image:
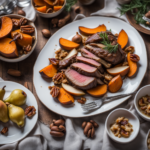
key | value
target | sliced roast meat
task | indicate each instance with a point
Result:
(90, 62)
(86, 70)
(94, 38)
(80, 81)
(67, 62)
(113, 58)
(87, 54)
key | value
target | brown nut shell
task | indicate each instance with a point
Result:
(84, 124)
(92, 132)
(59, 122)
(77, 38)
(52, 124)
(62, 128)
(57, 134)
(89, 133)
(46, 33)
(87, 128)
(55, 128)
(21, 12)
(94, 124)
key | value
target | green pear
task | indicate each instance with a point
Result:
(3, 112)
(16, 114)
(2, 93)
(17, 97)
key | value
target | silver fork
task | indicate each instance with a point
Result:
(98, 103)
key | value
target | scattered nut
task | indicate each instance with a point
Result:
(77, 38)
(84, 124)
(4, 130)
(28, 29)
(52, 124)
(54, 22)
(59, 122)
(82, 100)
(60, 54)
(94, 124)
(57, 134)
(21, 12)
(22, 21)
(129, 49)
(77, 9)
(134, 57)
(30, 111)
(27, 48)
(46, 33)
(14, 72)
(58, 78)
(55, 91)
(54, 61)
(62, 128)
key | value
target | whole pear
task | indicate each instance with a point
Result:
(17, 97)
(2, 92)
(16, 114)
(3, 112)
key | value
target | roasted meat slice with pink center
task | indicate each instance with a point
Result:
(86, 70)
(90, 62)
(81, 81)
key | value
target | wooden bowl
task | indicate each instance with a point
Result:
(49, 15)
(24, 56)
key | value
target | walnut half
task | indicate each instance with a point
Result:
(30, 111)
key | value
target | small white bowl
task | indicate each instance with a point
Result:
(145, 90)
(49, 15)
(147, 138)
(120, 112)
(24, 56)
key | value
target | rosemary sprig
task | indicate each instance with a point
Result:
(107, 43)
(140, 5)
(69, 4)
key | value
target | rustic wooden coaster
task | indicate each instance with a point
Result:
(132, 21)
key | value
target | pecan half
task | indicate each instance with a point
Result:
(16, 22)
(129, 49)
(134, 57)
(58, 78)
(28, 29)
(30, 111)
(27, 48)
(22, 21)
(82, 100)
(54, 61)
(55, 91)
(4, 130)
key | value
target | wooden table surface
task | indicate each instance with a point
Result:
(26, 66)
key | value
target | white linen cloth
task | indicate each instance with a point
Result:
(40, 139)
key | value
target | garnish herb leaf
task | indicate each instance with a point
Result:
(69, 4)
(107, 43)
(141, 7)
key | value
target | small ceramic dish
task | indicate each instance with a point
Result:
(49, 15)
(133, 120)
(145, 90)
(24, 56)
(146, 141)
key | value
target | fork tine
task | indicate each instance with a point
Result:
(89, 107)
(88, 104)
(92, 104)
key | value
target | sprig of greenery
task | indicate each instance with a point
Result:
(140, 5)
(107, 43)
(69, 4)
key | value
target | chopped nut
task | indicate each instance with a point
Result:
(27, 48)
(49, 10)
(28, 29)
(15, 22)
(55, 91)
(129, 49)
(30, 111)
(77, 9)
(4, 130)
(57, 78)
(82, 100)
(54, 61)
(134, 57)
(60, 54)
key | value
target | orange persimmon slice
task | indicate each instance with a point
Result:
(41, 9)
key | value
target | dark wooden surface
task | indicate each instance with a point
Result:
(26, 66)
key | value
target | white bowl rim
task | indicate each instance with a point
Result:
(123, 109)
(48, 13)
(21, 58)
(137, 109)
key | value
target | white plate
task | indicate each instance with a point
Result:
(129, 85)
(121, 112)
(14, 132)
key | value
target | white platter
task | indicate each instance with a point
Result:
(14, 132)
(68, 31)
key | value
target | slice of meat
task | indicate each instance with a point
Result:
(87, 54)
(113, 58)
(67, 62)
(86, 70)
(80, 81)
(90, 62)
(94, 38)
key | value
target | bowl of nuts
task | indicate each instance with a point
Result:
(122, 126)
(18, 38)
(142, 102)
(48, 8)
